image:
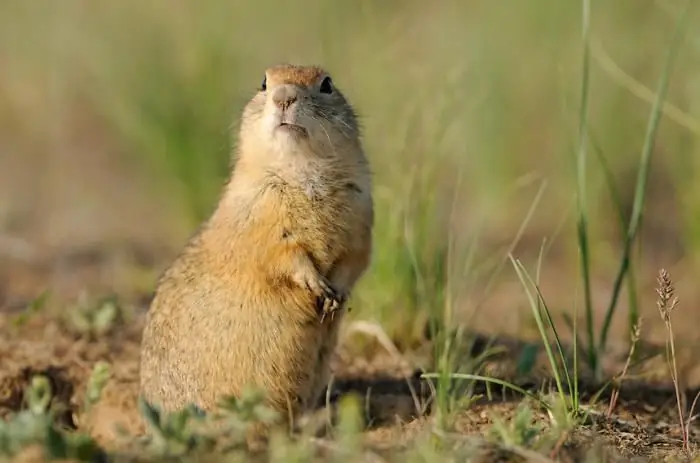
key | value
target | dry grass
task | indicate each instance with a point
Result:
(667, 302)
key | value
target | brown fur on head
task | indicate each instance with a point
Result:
(298, 109)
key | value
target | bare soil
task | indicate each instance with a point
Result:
(114, 245)
(398, 403)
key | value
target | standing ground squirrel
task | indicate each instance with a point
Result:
(257, 295)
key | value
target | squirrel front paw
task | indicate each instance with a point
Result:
(328, 299)
(330, 305)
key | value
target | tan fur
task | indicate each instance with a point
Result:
(239, 306)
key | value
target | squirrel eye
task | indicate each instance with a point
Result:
(326, 86)
(263, 85)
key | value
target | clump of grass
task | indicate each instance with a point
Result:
(457, 370)
(526, 432)
(242, 412)
(596, 345)
(566, 381)
(457, 373)
(414, 260)
(521, 431)
(173, 434)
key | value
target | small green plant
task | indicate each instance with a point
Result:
(174, 434)
(36, 425)
(521, 431)
(457, 373)
(35, 306)
(101, 373)
(191, 430)
(526, 432)
(94, 320)
(38, 395)
(248, 408)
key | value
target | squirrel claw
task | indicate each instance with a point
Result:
(328, 299)
(330, 304)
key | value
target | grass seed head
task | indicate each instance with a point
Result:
(667, 299)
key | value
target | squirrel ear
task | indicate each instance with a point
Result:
(326, 85)
(263, 85)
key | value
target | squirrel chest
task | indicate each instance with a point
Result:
(326, 216)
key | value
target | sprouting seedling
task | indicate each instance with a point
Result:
(38, 395)
(249, 407)
(95, 320)
(34, 307)
(105, 316)
(36, 425)
(30, 425)
(101, 373)
(521, 431)
(172, 432)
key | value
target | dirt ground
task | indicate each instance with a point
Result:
(103, 248)
(643, 427)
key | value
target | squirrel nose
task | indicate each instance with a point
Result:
(284, 96)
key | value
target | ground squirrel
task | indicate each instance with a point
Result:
(257, 295)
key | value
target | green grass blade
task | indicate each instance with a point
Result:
(486, 379)
(540, 325)
(556, 335)
(572, 325)
(582, 221)
(633, 316)
(542, 303)
(518, 235)
(577, 403)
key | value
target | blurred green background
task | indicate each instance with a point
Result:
(117, 119)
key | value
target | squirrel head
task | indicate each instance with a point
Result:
(299, 109)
